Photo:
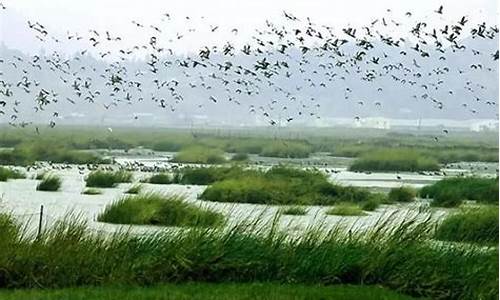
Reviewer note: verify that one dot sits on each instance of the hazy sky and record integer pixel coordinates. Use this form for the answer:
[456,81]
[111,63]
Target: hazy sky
[61,16]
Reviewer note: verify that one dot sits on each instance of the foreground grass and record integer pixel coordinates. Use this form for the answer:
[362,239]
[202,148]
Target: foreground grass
[8,173]
[394,160]
[471,225]
[211,291]
[158,209]
[280,185]
[399,257]
[105,179]
[451,192]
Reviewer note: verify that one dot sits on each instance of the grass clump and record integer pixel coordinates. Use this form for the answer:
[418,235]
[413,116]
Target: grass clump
[294,211]
[107,179]
[200,155]
[92,191]
[402,194]
[162,178]
[239,157]
[158,209]
[50,182]
[394,160]
[346,209]
[282,185]
[206,176]
[471,225]
[135,189]
[8,173]
[286,149]
[451,192]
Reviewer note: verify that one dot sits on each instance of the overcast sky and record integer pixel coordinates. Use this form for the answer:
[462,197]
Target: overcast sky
[61,16]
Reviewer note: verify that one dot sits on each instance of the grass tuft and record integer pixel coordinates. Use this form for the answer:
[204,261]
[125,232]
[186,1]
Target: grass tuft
[294,211]
[92,191]
[346,209]
[158,209]
[402,194]
[50,182]
[106,179]
[472,225]
[8,173]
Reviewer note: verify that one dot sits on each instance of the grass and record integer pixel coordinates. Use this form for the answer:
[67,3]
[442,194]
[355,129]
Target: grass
[281,185]
[200,155]
[158,209]
[394,160]
[346,209]
[399,257]
[211,291]
[206,176]
[371,204]
[50,182]
[286,149]
[471,225]
[134,189]
[9,173]
[162,178]
[294,211]
[239,157]
[450,192]
[92,191]
[107,179]
[402,194]
[56,152]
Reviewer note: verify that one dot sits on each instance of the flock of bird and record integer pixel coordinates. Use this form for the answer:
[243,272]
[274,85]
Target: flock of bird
[291,61]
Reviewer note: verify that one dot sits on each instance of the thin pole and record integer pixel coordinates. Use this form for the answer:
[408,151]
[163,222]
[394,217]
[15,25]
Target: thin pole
[40,220]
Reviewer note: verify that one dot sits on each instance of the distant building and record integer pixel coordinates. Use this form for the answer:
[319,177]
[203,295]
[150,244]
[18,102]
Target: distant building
[377,123]
[486,125]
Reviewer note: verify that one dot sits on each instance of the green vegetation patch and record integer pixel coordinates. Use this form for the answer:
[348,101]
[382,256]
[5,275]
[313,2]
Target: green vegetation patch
[92,191]
[450,192]
[400,257]
[50,182]
[107,179]
[472,225]
[346,209]
[212,291]
[9,173]
[294,211]
[394,160]
[200,155]
[282,185]
[158,209]
[402,194]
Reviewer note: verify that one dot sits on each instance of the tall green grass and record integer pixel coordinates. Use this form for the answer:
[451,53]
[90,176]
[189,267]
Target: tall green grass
[452,191]
[286,149]
[9,173]
[399,257]
[283,185]
[394,160]
[107,179]
[402,194]
[474,225]
[158,209]
[210,291]
[50,182]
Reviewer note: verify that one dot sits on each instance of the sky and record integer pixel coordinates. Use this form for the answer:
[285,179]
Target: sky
[62,16]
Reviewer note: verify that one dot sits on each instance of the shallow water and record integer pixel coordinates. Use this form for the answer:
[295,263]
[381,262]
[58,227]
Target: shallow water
[21,198]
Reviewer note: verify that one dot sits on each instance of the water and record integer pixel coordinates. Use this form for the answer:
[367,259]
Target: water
[21,198]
